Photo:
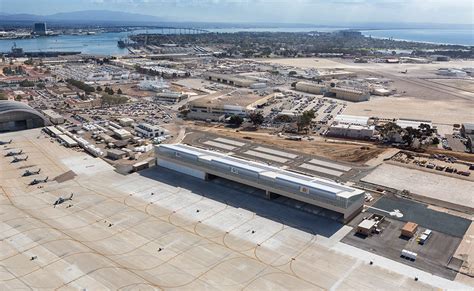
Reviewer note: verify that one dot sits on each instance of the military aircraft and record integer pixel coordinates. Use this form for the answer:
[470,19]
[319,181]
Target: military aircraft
[61,200]
[17,159]
[37,181]
[5,142]
[31,173]
[12,153]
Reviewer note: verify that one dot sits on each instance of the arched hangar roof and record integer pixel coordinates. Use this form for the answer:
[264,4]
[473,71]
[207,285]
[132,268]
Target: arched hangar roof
[7,106]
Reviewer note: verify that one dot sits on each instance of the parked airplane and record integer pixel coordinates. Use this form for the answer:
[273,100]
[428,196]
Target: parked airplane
[5,142]
[12,153]
[37,181]
[17,159]
[31,173]
[61,200]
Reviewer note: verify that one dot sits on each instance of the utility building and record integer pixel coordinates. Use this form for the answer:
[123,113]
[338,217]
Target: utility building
[205,164]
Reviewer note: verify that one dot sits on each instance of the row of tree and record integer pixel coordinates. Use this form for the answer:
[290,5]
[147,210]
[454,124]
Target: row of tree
[81,85]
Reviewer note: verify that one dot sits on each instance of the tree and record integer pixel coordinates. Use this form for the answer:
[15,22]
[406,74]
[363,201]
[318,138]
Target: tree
[98,89]
[236,120]
[256,118]
[119,91]
[18,98]
[435,141]
[27,83]
[305,119]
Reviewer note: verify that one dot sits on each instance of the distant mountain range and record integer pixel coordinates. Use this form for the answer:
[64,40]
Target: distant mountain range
[83,16]
[113,18]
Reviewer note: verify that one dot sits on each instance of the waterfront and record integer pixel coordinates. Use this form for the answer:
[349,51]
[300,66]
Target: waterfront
[106,43]
[440,36]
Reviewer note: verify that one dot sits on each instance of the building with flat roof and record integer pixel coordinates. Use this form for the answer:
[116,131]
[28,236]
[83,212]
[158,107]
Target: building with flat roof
[352,131]
[312,88]
[219,105]
[347,94]
[53,116]
[170,97]
[205,164]
[234,80]
[352,119]
[149,131]
[413,123]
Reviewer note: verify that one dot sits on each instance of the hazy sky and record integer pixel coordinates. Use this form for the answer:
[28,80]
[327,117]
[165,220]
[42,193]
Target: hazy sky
[300,11]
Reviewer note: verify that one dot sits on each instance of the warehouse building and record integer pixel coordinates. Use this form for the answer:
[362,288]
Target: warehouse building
[352,119]
[352,131]
[347,94]
[19,116]
[53,116]
[147,130]
[237,81]
[413,123]
[312,88]
[218,106]
[170,97]
[204,164]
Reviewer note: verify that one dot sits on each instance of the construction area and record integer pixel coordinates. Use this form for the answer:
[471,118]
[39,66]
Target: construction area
[89,227]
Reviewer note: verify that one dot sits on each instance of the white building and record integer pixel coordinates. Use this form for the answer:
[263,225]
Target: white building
[157,85]
[204,164]
[53,116]
[352,131]
[149,131]
[352,119]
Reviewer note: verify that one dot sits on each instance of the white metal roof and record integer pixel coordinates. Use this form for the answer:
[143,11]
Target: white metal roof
[326,186]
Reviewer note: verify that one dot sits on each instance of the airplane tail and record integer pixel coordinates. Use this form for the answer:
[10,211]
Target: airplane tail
[46,180]
[70,197]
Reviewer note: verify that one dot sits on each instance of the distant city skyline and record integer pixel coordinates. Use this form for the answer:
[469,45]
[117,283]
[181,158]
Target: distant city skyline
[329,12]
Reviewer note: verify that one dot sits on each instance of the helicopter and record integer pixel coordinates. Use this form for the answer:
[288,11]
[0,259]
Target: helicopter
[37,181]
[12,153]
[31,173]
[5,142]
[17,159]
[61,200]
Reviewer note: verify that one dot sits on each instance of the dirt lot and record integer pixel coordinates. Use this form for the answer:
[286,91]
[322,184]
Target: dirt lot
[439,111]
[335,151]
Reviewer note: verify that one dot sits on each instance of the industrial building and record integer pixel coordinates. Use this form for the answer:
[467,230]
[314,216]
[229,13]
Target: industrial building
[347,94]
[351,119]
[312,88]
[413,123]
[352,131]
[170,97]
[217,106]
[19,116]
[204,164]
[149,131]
[229,79]
[53,116]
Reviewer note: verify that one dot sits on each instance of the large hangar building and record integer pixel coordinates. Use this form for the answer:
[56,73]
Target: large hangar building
[19,116]
[204,164]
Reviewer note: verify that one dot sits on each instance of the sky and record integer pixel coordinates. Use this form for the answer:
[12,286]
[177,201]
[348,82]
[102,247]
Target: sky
[325,12]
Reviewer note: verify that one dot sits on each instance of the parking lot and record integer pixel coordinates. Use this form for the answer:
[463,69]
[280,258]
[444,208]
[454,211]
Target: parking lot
[432,257]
